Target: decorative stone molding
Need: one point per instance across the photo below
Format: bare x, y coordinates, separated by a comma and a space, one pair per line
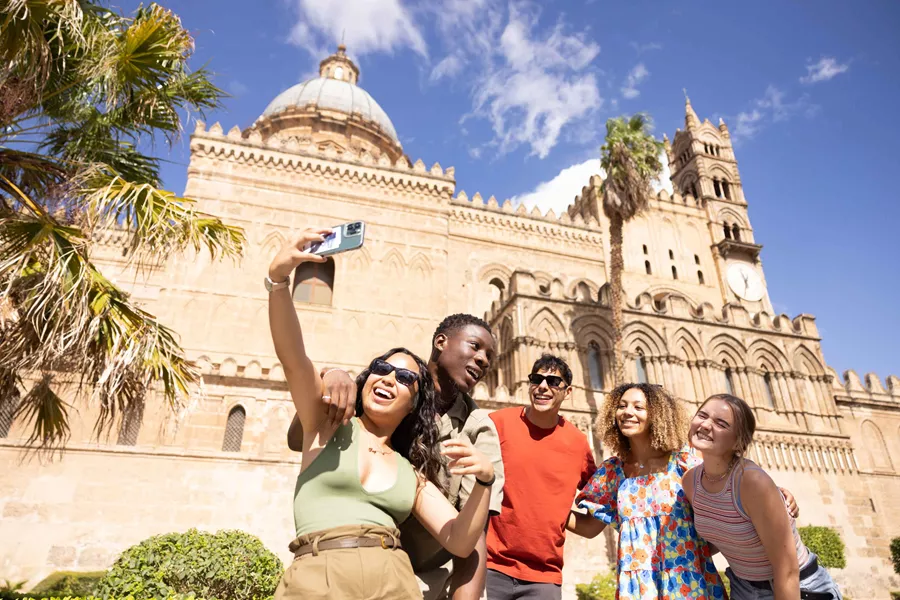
803, 453
304, 155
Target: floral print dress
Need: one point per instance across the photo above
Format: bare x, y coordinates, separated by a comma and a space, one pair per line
660, 554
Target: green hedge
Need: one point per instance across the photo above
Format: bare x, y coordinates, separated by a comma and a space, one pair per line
895, 554
68, 583
827, 544
602, 587
31, 597
226, 565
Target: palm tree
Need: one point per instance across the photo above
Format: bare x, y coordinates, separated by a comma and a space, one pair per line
630, 158
83, 89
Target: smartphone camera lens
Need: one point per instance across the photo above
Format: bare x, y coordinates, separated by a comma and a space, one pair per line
353, 228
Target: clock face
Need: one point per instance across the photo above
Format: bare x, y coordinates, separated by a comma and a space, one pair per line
745, 282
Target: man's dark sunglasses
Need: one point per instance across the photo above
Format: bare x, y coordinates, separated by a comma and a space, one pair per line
382, 367
554, 381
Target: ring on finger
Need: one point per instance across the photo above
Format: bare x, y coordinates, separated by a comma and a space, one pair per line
326, 397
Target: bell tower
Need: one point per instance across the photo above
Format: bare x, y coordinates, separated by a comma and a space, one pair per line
702, 163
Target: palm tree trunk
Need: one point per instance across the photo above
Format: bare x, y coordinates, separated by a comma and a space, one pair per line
617, 296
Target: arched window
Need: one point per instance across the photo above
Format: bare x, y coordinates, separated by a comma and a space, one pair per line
736, 232
727, 231
314, 283
671, 255
725, 190
696, 259
647, 267
729, 380
694, 190
496, 288
8, 407
770, 395
131, 424
234, 429
674, 272
700, 277
640, 365
717, 188
595, 366
645, 248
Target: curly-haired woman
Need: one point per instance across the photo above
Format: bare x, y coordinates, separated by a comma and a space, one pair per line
359, 480
638, 491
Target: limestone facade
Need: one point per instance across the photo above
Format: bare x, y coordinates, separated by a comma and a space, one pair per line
699, 321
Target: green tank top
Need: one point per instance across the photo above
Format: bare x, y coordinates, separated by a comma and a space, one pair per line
329, 494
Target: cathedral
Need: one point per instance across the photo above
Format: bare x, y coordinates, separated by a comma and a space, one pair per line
699, 320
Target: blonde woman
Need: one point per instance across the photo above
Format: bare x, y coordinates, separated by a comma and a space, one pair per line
738, 508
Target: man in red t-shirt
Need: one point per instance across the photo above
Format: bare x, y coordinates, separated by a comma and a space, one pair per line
546, 461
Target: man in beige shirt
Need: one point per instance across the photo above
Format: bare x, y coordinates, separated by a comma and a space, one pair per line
462, 351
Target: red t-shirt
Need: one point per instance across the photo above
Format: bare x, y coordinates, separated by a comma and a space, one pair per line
543, 470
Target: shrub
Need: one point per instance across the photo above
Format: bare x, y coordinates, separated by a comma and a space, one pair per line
827, 544
602, 587
895, 554
68, 583
895, 595
226, 565
172, 597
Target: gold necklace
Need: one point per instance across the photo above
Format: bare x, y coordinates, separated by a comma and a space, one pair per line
719, 478
382, 452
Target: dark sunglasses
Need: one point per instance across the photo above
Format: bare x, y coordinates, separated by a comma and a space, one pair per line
382, 367
554, 381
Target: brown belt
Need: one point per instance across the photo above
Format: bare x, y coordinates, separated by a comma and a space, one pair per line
384, 541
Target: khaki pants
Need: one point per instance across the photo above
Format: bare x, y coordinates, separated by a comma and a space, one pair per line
351, 573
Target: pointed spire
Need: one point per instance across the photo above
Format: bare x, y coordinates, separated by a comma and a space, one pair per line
691, 120
724, 128
668, 146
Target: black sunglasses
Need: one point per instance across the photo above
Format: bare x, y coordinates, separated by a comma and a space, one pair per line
405, 376
554, 381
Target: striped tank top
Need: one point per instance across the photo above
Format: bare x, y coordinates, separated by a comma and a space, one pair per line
720, 519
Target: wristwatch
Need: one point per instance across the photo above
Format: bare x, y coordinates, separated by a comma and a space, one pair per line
272, 286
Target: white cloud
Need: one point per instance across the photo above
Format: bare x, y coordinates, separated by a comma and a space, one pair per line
642, 48
638, 74
365, 26
773, 107
530, 86
449, 67
747, 124
827, 68
560, 192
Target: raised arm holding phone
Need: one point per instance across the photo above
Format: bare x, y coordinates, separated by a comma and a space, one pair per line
361, 478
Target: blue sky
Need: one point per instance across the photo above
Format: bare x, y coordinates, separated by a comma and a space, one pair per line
515, 96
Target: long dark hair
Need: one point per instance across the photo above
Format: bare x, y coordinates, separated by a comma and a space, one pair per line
417, 436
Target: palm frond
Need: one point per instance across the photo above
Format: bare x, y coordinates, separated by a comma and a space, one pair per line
160, 221
46, 413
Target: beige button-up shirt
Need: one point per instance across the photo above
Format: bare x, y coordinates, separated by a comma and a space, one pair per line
463, 419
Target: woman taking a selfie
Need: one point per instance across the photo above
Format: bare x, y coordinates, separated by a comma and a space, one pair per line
738, 508
359, 480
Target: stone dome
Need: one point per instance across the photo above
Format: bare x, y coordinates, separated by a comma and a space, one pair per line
332, 111
333, 94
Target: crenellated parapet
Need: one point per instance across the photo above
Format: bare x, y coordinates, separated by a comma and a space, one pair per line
588, 204
303, 154
867, 390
